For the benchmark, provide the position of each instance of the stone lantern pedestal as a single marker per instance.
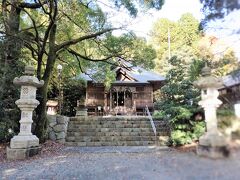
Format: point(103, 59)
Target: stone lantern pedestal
point(25, 144)
point(212, 144)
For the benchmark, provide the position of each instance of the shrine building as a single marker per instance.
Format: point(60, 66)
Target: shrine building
point(132, 91)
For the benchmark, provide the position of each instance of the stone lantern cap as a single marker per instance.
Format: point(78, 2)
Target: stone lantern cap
point(28, 79)
point(207, 80)
point(52, 103)
point(29, 70)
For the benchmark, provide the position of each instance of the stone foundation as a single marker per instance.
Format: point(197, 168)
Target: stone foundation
point(213, 145)
point(22, 153)
point(57, 128)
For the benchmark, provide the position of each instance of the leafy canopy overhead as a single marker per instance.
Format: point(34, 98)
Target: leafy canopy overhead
point(132, 5)
point(215, 9)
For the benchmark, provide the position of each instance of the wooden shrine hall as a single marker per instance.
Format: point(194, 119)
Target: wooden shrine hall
point(129, 95)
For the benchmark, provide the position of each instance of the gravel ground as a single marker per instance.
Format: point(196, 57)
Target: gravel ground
point(110, 163)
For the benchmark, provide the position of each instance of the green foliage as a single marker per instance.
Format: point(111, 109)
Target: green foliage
point(178, 101)
point(228, 123)
point(9, 93)
point(218, 9)
point(226, 64)
point(226, 118)
point(103, 74)
point(110, 77)
point(131, 5)
point(184, 35)
point(198, 129)
point(6, 131)
point(220, 57)
point(225, 112)
point(73, 90)
point(132, 48)
point(180, 137)
point(128, 47)
point(159, 114)
point(188, 42)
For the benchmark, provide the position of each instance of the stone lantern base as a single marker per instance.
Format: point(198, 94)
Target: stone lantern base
point(213, 146)
point(22, 147)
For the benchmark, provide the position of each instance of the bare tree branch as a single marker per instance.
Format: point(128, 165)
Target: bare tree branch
point(82, 38)
point(91, 59)
point(32, 5)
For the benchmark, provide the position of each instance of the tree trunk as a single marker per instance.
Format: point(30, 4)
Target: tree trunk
point(41, 123)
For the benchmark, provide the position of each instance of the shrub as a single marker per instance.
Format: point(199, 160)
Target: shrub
point(6, 132)
point(159, 115)
point(228, 123)
point(181, 137)
point(198, 129)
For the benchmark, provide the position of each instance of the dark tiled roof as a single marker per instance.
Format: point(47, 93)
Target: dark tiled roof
point(231, 79)
point(140, 75)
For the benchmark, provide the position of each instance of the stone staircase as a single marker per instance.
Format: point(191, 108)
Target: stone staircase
point(111, 131)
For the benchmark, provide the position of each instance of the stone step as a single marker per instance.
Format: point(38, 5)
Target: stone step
point(108, 122)
point(113, 131)
point(91, 126)
point(115, 134)
point(111, 134)
point(109, 138)
point(97, 127)
point(114, 118)
point(117, 143)
point(110, 130)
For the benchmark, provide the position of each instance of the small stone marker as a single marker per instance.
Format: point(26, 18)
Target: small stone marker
point(25, 144)
point(212, 144)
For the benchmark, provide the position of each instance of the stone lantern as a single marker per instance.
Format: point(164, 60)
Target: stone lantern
point(25, 144)
point(212, 144)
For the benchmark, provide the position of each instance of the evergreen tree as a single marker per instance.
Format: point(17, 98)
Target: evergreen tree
point(178, 101)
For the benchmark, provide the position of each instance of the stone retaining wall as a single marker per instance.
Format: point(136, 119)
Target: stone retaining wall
point(57, 127)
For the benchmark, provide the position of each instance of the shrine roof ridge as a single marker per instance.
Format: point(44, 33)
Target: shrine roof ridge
point(139, 74)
